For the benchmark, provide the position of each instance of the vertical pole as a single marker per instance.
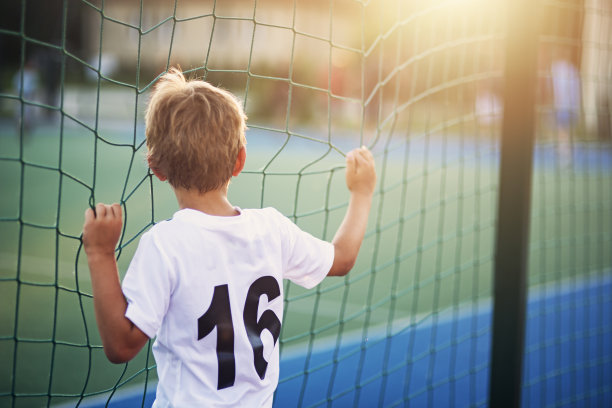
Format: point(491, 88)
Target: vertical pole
point(514, 201)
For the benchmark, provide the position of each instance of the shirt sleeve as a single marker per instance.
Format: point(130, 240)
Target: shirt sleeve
point(307, 259)
point(147, 286)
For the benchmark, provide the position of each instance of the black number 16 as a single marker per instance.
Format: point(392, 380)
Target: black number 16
point(219, 315)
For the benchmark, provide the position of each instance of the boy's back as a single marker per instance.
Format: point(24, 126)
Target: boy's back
point(196, 274)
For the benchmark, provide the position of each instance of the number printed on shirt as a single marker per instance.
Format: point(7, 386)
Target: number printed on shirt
point(219, 315)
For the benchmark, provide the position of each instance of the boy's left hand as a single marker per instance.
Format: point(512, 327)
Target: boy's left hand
point(102, 229)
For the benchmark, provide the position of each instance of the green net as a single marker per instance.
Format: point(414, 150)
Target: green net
point(567, 361)
point(420, 83)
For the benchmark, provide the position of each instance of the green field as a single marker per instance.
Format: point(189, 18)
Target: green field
point(429, 245)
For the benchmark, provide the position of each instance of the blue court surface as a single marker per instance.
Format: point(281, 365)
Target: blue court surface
point(442, 360)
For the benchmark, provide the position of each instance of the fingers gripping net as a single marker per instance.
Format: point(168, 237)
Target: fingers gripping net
point(417, 82)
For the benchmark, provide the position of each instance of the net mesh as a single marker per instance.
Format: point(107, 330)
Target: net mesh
point(420, 83)
point(567, 353)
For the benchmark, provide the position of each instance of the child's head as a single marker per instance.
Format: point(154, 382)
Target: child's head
point(194, 132)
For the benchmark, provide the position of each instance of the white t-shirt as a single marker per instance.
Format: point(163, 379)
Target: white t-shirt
point(566, 85)
point(210, 288)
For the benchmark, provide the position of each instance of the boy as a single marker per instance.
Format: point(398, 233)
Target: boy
point(210, 265)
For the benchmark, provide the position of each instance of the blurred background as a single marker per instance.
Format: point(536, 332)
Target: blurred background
point(74, 47)
point(422, 84)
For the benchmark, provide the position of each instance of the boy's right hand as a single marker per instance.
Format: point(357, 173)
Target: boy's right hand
point(102, 229)
point(360, 171)
point(361, 181)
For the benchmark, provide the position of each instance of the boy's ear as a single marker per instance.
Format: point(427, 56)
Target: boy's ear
point(240, 160)
point(161, 176)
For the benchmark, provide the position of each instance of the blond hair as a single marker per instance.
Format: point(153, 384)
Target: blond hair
point(194, 132)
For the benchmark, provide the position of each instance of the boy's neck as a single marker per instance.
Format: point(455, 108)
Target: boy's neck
point(212, 202)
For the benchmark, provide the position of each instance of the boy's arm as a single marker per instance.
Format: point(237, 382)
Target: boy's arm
point(121, 339)
point(360, 180)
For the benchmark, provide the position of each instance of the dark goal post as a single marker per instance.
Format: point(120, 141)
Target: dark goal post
point(511, 248)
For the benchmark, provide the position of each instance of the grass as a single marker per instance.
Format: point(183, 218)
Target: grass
point(429, 245)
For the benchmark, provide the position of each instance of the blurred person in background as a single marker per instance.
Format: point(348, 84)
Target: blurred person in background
point(566, 97)
point(26, 83)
